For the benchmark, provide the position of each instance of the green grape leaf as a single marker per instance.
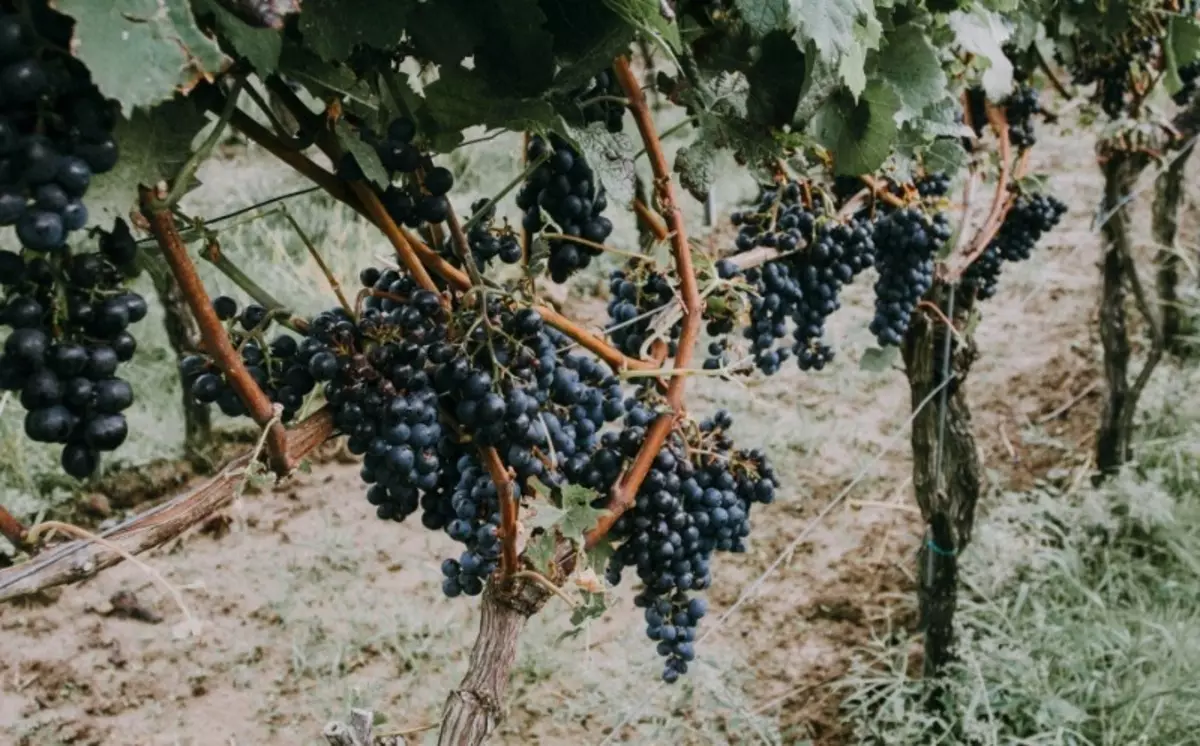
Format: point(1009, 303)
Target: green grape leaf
point(141, 52)
point(827, 24)
point(155, 143)
point(943, 154)
point(593, 607)
point(516, 52)
point(598, 556)
point(260, 46)
point(776, 79)
point(852, 67)
point(877, 359)
point(461, 98)
point(647, 16)
point(983, 33)
point(443, 32)
point(540, 552)
point(579, 516)
point(910, 63)
point(764, 16)
point(364, 154)
point(610, 156)
point(1182, 47)
point(859, 134)
point(333, 28)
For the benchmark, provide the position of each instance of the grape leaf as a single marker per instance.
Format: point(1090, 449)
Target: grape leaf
point(858, 135)
point(154, 144)
point(611, 157)
point(364, 154)
point(598, 556)
point(647, 16)
point(853, 65)
point(516, 52)
point(332, 28)
point(579, 516)
point(1182, 47)
point(827, 24)
point(877, 359)
point(944, 154)
point(593, 607)
point(910, 63)
point(764, 16)
point(141, 52)
point(983, 33)
point(540, 552)
point(461, 98)
point(260, 46)
point(442, 32)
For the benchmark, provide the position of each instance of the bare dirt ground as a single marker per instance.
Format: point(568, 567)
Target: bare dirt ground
point(310, 605)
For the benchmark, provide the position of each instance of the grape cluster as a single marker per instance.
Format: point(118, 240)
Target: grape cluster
point(822, 254)
point(693, 502)
point(933, 185)
point(564, 190)
point(55, 133)
point(420, 197)
point(1031, 216)
point(1020, 108)
point(70, 316)
point(489, 241)
point(274, 366)
point(906, 242)
point(635, 294)
point(610, 111)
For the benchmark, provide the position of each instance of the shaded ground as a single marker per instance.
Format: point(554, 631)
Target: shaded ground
point(310, 605)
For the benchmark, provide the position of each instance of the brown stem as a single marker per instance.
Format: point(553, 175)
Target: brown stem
point(75, 561)
point(1002, 202)
point(652, 219)
point(320, 260)
point(508, 510)
point(216, 342)
point(664, 190)
point(455, 277)
point(879, 188)
point(11, 528)
point(379, 216)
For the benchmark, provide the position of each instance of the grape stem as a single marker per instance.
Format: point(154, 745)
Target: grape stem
point(12, 529)
point(530, 167)
point(879, 188)
point(651, 218)
point(320, 260)
point(216, 341)
point(509, 506)
point(664, 191)
point(1002, 199)
point(455, 277)
point(213, 255)
point(183, 180)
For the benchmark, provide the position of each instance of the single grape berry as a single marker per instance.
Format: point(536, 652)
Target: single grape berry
point(225, 307)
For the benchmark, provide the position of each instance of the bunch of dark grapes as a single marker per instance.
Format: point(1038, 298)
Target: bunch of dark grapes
point(70, 316)
point(1031, 217)
point(822, 254)
point(635, 294)
point(610, 111)
point(1020, 108)
point(564, 190)
point(1187, 75)
point(489, 241)
point(420, 195)
point(55, 133)
point(273, 365)
point(906, 242)
point(693, 502)
point(933, 185)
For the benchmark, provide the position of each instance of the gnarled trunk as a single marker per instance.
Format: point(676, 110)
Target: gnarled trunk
point(946, 471)
point(1168, 193)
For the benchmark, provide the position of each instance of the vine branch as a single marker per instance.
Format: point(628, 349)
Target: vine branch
point(668, 206)
point(11, 528)
point(216, 342)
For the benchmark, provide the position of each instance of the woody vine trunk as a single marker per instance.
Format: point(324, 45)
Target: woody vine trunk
point(946, 471)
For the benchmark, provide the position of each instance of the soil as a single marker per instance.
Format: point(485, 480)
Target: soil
point(308, 605)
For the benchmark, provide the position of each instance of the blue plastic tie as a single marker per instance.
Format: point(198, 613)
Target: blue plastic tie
point(938, 550)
